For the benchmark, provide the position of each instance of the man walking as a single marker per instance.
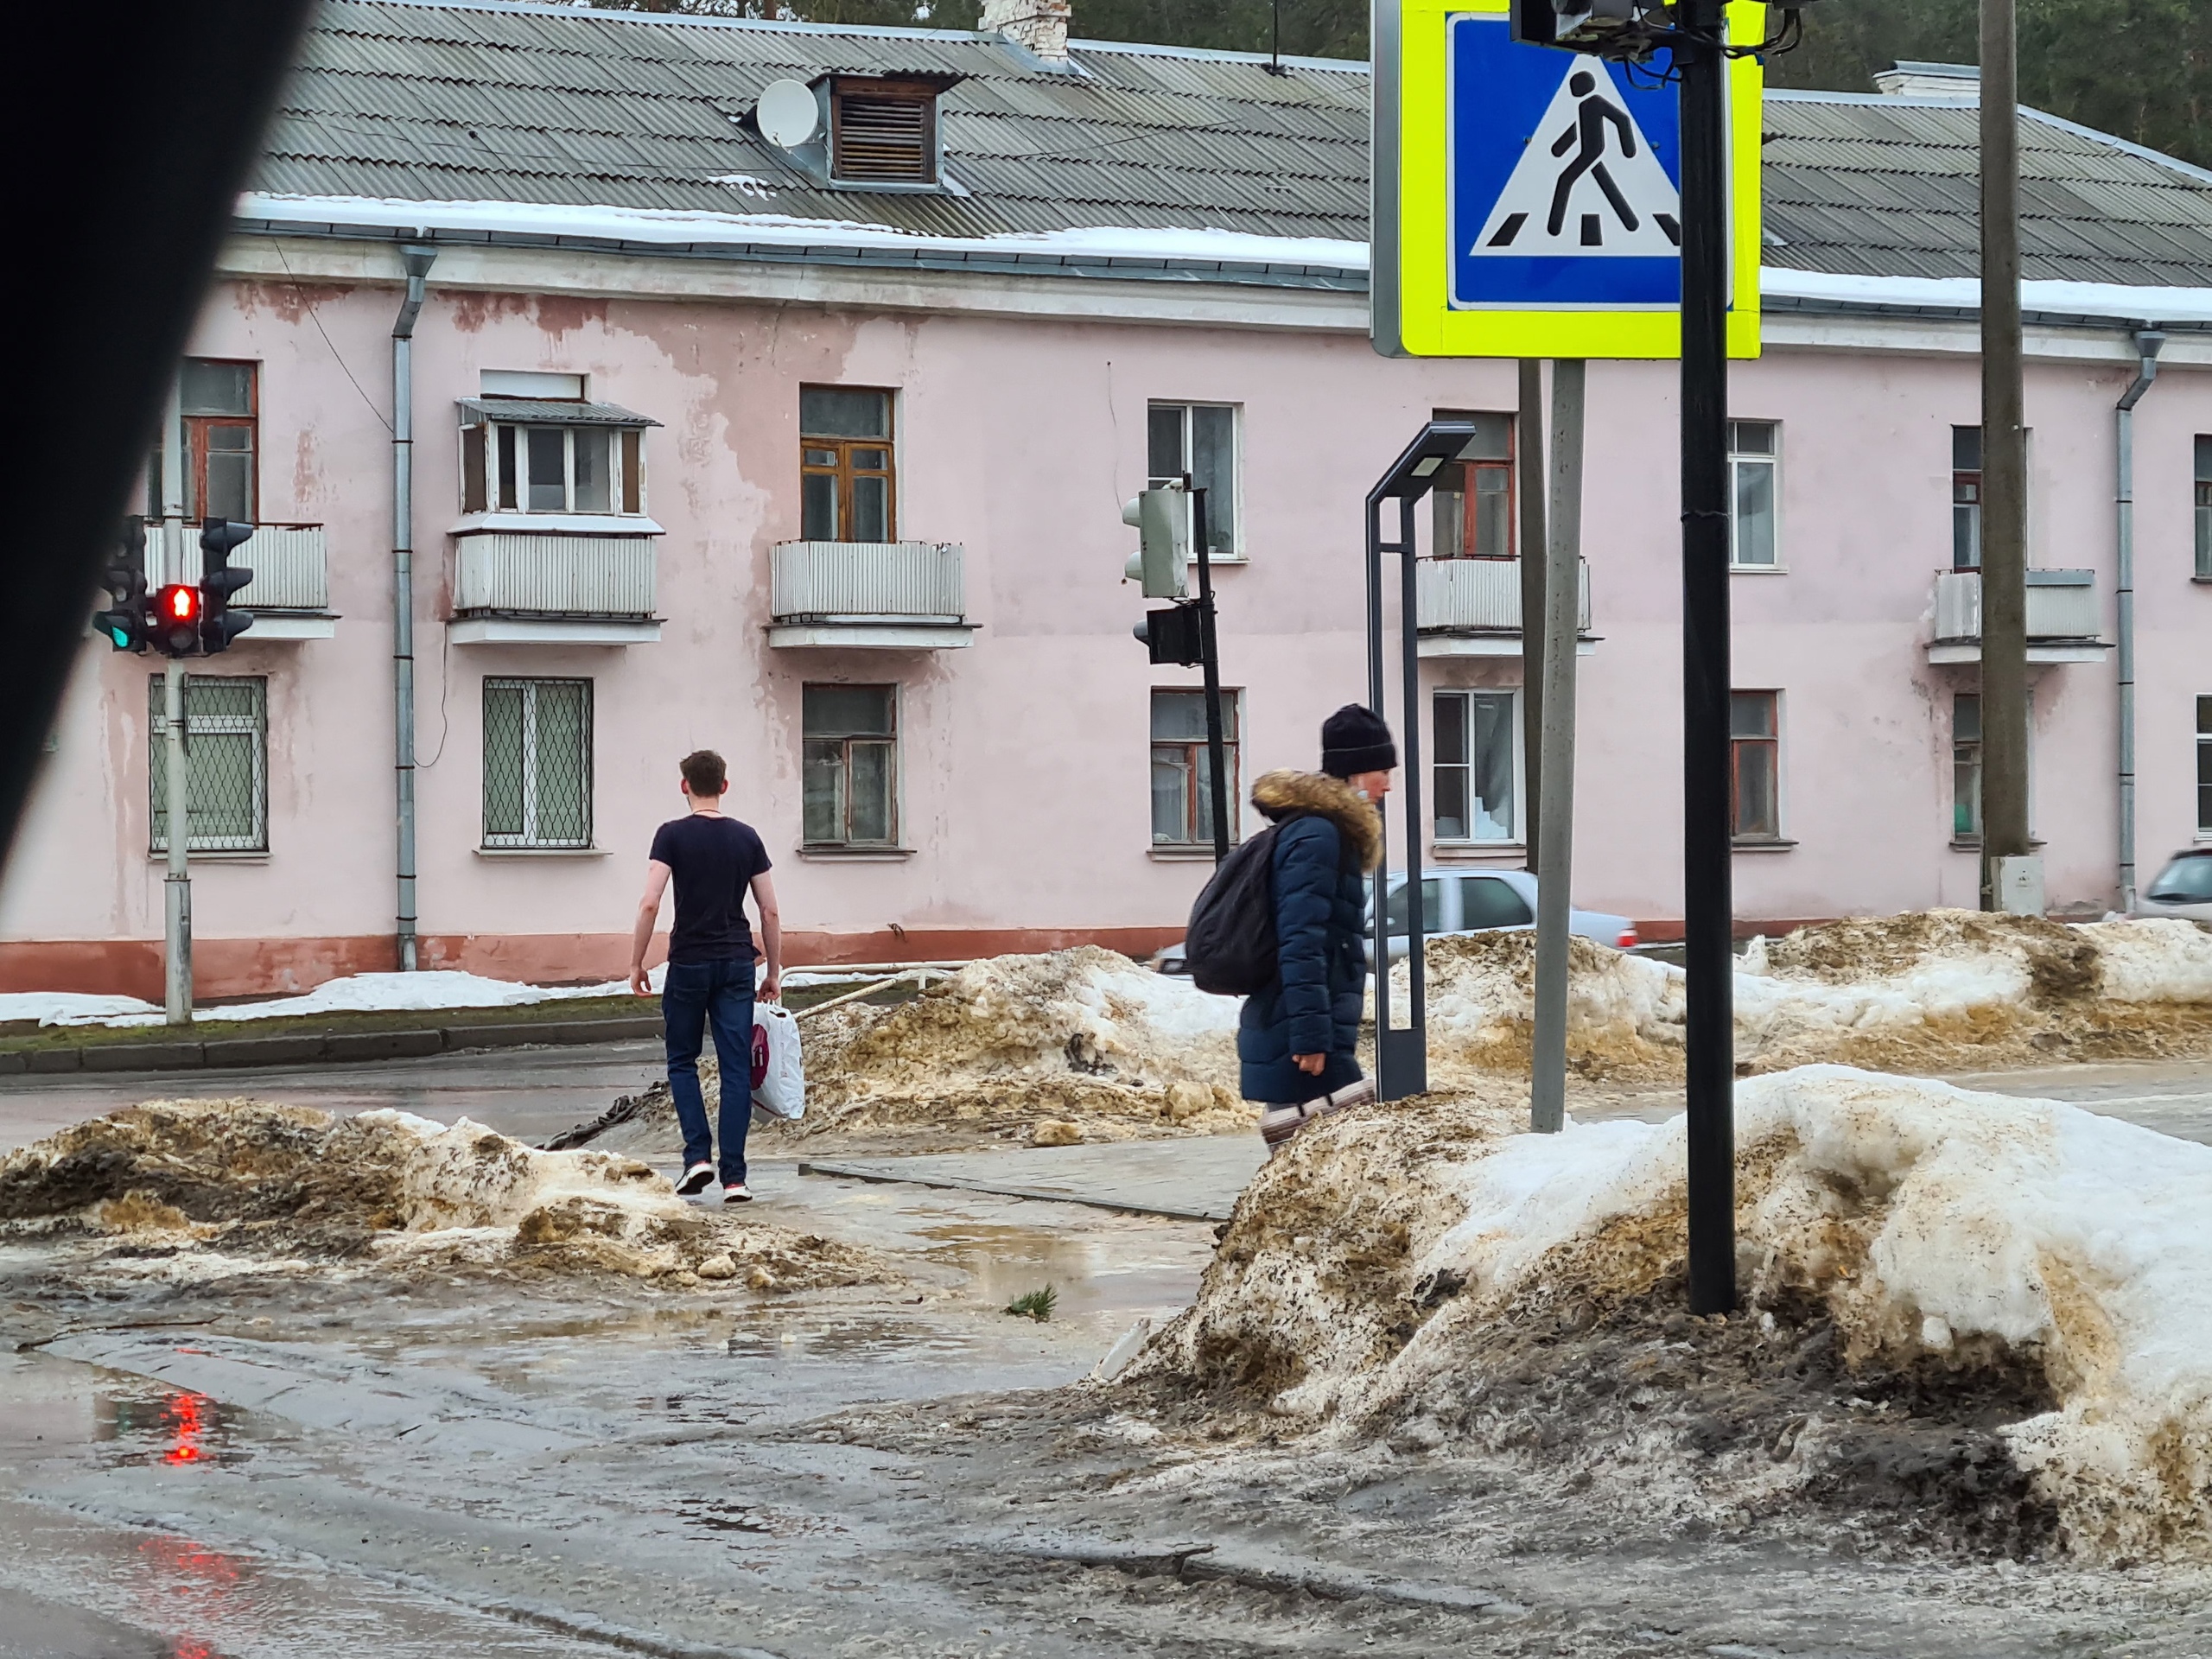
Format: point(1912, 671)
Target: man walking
point(712, 859)
point(1296, 1040)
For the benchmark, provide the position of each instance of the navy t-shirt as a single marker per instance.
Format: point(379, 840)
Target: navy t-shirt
point(713, 861)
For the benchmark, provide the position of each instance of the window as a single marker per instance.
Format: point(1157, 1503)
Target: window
point(516, 468)
point(1199, 439)
point(851, 784)
point(2205, 766)
point(226, 763)
point(1475, 733)
point(846, 477)
point(1182, 781)
point(1486, 901)
point(1966, 767)
point(2204, 508)
point(221, 415)
point(1966, 498)
point(536, 763)
point(1473, 498)
point(1756, 772)
point(1397, 915)
point(882, 131)
point(1754, 452)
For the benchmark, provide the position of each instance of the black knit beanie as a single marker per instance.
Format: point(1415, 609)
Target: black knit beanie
point(1354, 739)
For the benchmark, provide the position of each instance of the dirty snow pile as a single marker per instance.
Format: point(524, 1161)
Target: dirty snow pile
point(427, 990)
point(1084, 1038)
point(1893, 992)
point(233, 1178)
point(1979, 1313)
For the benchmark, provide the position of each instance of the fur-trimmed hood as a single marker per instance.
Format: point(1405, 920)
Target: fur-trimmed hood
point(1284, 794)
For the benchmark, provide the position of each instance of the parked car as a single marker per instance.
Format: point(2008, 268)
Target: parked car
point(1467, 902)
point(2183, 888)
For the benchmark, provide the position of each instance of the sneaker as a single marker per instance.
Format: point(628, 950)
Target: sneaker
point(738, 1194)
point(695, 1181)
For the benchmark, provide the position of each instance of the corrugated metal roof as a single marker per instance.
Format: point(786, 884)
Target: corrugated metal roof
point(433, 101)
point(564, 412)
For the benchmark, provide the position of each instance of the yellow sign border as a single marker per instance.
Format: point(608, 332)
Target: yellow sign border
point(1412, 314)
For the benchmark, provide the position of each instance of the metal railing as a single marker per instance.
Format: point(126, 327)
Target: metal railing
point(1477, 595)
point(290, 565)
point(2062, 605)
point(902, 582)
point(512, 575)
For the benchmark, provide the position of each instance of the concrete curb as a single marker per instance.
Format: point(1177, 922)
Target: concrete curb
point(313, 1048)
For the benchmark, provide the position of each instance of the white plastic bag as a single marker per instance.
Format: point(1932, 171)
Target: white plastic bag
point(778, 1078)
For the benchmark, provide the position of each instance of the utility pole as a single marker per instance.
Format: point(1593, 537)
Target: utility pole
point(1562, 626)
point(1708, 949)
point(2003, 465)
point(1528, 487)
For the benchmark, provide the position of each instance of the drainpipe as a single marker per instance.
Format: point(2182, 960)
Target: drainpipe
point(417, 261)
point(2147, 342)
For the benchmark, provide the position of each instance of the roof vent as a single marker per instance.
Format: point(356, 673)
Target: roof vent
point(882, 131)
point(1906, 80)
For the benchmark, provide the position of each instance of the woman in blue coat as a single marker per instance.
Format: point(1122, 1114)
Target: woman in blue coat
point(1298, 1039)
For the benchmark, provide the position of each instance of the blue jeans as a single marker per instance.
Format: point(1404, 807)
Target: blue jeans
point(697, 994)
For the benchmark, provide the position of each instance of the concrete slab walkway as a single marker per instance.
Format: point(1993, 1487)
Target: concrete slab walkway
point(1194, 1180)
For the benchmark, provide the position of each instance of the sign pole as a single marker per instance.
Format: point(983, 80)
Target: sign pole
point(176, 885)
point(1562, 627)
point(1528, 484)
point(1708, 903)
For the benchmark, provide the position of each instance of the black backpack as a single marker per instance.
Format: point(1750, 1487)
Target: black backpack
point(1230, 947)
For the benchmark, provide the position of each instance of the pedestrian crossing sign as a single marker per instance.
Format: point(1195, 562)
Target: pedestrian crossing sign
point(1526, 198)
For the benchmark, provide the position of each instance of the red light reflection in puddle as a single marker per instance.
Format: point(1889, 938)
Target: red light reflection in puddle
point(188, 1417)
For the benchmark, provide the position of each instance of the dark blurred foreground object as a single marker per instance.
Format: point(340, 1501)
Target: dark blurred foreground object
point(154, 115)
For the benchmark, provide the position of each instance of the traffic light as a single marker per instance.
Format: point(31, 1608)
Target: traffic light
point(1610, 27)
point(175, 624)
point(125, 581)
point(218, 580)
point(1174, 635)
point(1162, 561)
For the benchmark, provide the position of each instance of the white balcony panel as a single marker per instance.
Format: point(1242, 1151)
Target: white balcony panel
point(290, 564)
point(1478, 596)
point(584, 577)
point(875, 595)
point(2064, 615)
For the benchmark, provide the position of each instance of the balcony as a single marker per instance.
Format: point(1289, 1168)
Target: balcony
point(872, 596)
point(2063, 616)
point(529, 587)
point(1471, 607)
point(289, 594)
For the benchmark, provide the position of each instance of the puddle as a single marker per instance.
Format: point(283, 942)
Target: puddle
point(1089, 1273)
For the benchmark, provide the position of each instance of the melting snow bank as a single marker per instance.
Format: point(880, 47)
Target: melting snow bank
point(1990, 1317)
point(429, 990)
point(224, 1180)
point(1895, 993)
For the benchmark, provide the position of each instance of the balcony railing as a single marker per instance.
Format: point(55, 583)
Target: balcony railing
point(2064, 616)
point(587, 578)
point(909, 593)
point(1478, 596)
point(290, 563)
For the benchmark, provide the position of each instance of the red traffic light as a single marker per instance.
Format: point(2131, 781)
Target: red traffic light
point(177, 605)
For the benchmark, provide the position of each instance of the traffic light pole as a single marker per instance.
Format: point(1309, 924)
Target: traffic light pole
point(177, 888)
point(1707, 901)
point(1210, 659)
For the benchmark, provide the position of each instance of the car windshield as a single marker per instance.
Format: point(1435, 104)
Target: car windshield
point(2186, 880)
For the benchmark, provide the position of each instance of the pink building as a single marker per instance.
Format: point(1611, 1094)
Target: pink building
point(776, 388)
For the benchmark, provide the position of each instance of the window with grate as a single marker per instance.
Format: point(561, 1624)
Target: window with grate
point(1475, 733)
point(2204, 508)
point(226, 761)
point(219, 402)
point(1182, 774)
point(536, 763)
point(846, 473)
point(1199, 439)
point(882, 132)
point(850, 790)
point(1473, 498)
point(1754, 458)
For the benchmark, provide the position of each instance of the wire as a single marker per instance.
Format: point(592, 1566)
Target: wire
point(313, 317)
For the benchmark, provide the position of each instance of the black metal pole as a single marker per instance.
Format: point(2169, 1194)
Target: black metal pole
point(1707, 905)
point(1413, 1077)
point(1384, 1071)
point(1210, 657)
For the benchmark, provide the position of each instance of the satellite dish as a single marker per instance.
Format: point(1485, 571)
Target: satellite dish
point(787, 114)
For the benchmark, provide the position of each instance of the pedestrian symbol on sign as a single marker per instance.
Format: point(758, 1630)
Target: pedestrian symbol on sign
point(1586, 185)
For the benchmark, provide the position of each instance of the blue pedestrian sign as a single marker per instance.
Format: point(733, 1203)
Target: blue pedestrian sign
point(1527, 200)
